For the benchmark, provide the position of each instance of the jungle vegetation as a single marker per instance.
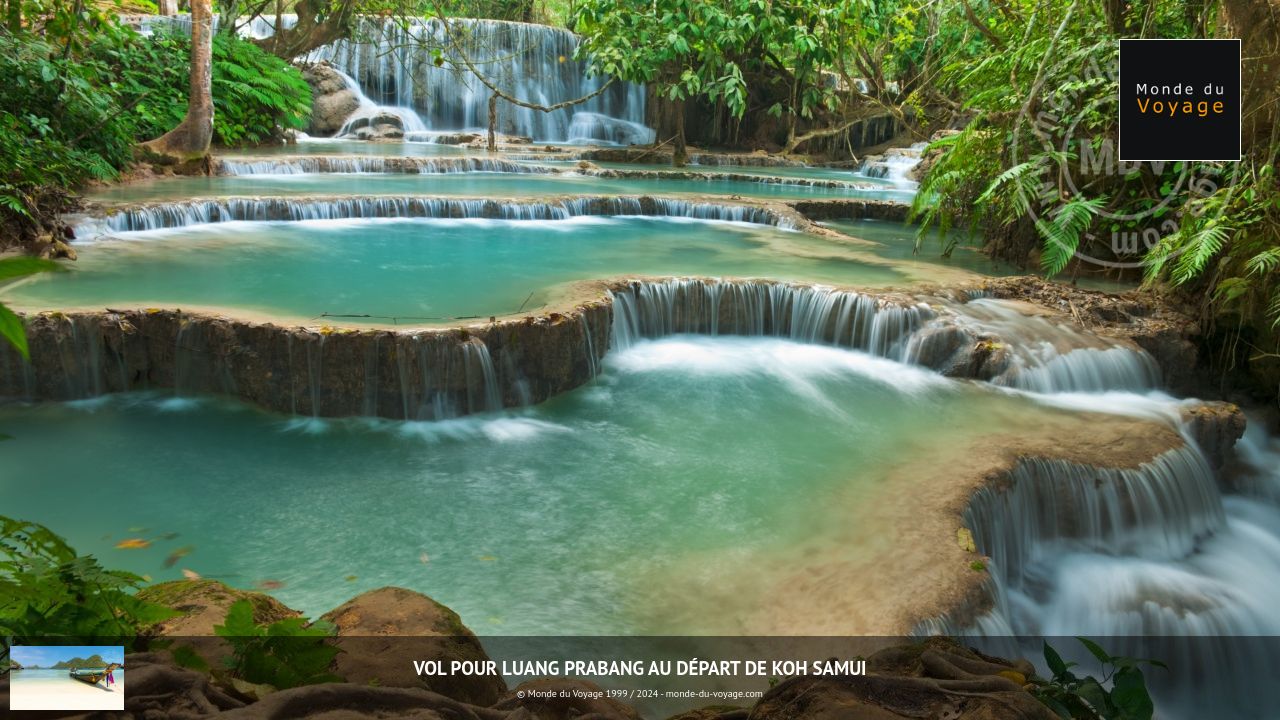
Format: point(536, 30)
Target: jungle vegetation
point(80, 91)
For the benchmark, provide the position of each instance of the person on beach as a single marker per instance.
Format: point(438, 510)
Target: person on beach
point(111, 678)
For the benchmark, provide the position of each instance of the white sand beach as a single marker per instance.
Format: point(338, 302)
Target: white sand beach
point(55, 690)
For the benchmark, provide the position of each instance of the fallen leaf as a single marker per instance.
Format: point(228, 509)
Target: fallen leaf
point(270, 584)
point(424, 559)
point(177, 555)
point(169, 536)
point(133, 544)
point(488, 558)
point(1013, 675)
point(352, 578)
point(190, 574)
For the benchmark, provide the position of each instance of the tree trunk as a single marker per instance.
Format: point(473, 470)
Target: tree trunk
point(493, 122)
point(680, 155)
point(168, 7)
point(190, 140)
point(1257, 24)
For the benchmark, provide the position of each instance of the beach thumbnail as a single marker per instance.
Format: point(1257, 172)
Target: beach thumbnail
point(66, 677)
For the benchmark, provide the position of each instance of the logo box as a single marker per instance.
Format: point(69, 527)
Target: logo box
point(1179, 100)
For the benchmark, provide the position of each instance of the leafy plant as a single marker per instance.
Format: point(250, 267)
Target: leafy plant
point(11, 328)
point(1089, 698)
point(287, 653)
point(48, 591)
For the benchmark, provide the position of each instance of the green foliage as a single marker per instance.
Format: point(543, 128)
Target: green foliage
point(79, 95)
point(1037, 158)
point(287, 653)
point(1088, 698)
point(807, 55)
point(48, 591)
point(11, 327)
point(56, 127)
point(255, 94)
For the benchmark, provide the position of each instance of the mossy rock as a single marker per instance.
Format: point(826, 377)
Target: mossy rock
point(204, 604)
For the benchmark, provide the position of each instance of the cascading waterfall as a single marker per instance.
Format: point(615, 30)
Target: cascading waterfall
point(894, 165)
point(395, 64)
point(155, 216)
point(374, 165)
point(1045, 356)
point(1154, 561)
point(804, 313)
point(369, 112)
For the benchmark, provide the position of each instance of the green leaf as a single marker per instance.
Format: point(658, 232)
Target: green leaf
point(239, 622)
point(1130, 697)
point(1096, 650)
point(1054, 660)
point(12, 329)
point(22, 266)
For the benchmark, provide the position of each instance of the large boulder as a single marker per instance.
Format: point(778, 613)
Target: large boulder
point(332, 99)
point(202, 604)
point(374, 631)
point(379, 126)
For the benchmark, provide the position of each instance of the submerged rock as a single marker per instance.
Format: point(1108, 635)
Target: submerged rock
point(371, 632)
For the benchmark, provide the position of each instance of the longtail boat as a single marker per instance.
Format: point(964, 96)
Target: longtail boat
point(93, 676)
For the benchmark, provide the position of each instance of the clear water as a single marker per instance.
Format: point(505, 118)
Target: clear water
point(480, 184)
point(580, 515)
point(428, 269)
point(334, 146)
point(896, 242)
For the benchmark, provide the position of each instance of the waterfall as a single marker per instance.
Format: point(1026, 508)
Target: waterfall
point(476, 353)
point(396, 64)
point(1085, 370)
point(1046, 356)
point(894, 165)
point(1160, 510)
point(155, 216)
point(306, 165)
point(1152, 561)
point(804, 313)
point(368, 112)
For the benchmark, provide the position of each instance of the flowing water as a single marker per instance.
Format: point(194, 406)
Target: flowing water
point(683, 447)
point(395, 64)
point(737, 455)
point(467, 184)
point(416, 268)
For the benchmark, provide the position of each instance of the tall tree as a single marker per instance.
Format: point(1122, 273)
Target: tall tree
point(190, 139)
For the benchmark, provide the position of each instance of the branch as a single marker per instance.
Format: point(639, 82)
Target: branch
point(975, 21)
point(466, 60)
